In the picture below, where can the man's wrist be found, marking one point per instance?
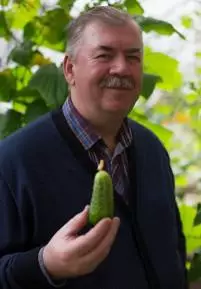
(51, 281)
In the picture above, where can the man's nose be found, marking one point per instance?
(120, 66)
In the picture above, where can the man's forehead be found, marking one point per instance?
(100, 35)
(111, 48)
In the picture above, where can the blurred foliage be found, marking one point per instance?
(32, 84)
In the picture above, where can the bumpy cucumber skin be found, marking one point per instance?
(102, 201)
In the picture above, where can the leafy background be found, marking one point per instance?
(32, 83)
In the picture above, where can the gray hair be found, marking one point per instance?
(105, 14)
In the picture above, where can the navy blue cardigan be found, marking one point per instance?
(46, 178)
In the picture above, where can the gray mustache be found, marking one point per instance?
(117, 82)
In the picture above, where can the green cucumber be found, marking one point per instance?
(102, 200)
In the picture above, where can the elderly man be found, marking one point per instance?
(47, 171)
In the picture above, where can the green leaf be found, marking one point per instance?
(198, 70)
(133, 7)
(49, 30)
(22, 54)
(36, 31)
(194, 272)
(187, 21)
(39, 59)
(30, 29)
(191, 97)
(23, 75)
(162, 133)
(49, 81)
(149, 83)
(10, 122)
(19, 106)
(23, 12)
(164, 66)
(181, 181)
(27, 94)
(4, 32)
(163, 109)
(148, 24)
(198, 54)
(197, 219)
(26, 56)
(4, 2)
(55, 22)
(34, 110)
(192, 234)
(7, 85)
(66, 4)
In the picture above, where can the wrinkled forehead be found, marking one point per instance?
(124, 36)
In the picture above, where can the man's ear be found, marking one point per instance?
(68, 70)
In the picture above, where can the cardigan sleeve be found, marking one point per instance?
(19, 266)
(181, 236)
(182, 246)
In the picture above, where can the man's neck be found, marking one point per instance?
(107, 126)
(110, 143)
(108, 135)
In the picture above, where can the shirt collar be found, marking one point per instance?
(84, 131)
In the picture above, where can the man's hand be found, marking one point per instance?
(69, 255)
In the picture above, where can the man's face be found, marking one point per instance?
(107, 71)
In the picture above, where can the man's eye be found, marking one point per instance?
(133, 57)
(104, 56)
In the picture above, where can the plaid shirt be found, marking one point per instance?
(117, 164)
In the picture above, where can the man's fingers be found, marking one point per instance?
(99, 253)
(74, 225)
(91, 240)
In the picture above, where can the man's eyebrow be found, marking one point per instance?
(110, 49)
(105, 47)
(134, 50)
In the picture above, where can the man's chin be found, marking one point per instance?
(117, 110)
